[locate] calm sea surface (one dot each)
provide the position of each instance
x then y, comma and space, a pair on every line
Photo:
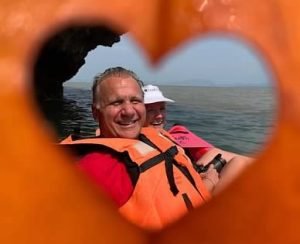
236, 119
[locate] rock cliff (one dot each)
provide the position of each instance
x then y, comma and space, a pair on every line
63, 54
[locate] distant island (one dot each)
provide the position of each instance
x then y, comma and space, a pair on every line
210, 83
193, 82
78, 84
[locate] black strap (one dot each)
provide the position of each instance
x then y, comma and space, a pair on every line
184, 170
188, 202
131, 167
170, 174
134, 170
171, 152
76, 137
146, 140
168, 157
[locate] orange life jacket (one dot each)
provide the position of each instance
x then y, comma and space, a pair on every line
167, 187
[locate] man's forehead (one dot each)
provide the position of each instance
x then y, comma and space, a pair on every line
117, 81
117, 87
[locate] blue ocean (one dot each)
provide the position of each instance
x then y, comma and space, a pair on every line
237, 119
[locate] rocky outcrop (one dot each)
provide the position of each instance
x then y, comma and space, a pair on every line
63, 54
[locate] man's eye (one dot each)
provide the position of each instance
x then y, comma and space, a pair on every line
136, 101
116, 103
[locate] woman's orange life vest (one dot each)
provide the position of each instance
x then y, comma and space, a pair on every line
167, 187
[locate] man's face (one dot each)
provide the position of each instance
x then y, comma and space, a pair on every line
120, 109
156, 114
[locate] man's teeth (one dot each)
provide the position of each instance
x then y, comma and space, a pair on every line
127, 123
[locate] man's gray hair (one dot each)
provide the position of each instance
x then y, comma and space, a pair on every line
113, 72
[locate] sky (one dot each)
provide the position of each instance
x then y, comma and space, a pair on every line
216, 61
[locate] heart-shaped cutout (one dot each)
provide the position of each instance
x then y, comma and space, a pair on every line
222, 119
250, 19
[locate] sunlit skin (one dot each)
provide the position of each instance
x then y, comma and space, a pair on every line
156, 114
120, 109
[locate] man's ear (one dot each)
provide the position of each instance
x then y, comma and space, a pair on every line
95, 112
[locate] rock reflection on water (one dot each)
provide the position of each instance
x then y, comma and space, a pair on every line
70, 115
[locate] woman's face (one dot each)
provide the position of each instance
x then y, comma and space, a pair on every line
156, 114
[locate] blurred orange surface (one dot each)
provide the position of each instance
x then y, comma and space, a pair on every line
45, 200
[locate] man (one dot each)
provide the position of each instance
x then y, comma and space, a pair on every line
145, 173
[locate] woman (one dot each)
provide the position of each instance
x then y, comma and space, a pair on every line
155, 103
200, 151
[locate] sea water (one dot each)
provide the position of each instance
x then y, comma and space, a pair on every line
238, 119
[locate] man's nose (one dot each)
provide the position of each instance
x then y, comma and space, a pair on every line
128, 109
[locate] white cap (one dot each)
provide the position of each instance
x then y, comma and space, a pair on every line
152, 94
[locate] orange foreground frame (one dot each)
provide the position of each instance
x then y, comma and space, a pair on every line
42, 197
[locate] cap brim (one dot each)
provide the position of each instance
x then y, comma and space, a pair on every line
157, 100
169, 100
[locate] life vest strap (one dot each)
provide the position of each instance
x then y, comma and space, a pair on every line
167, 155
170, 174
187, 174
145, 139
188, 202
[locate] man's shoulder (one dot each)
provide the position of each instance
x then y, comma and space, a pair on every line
83, 146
